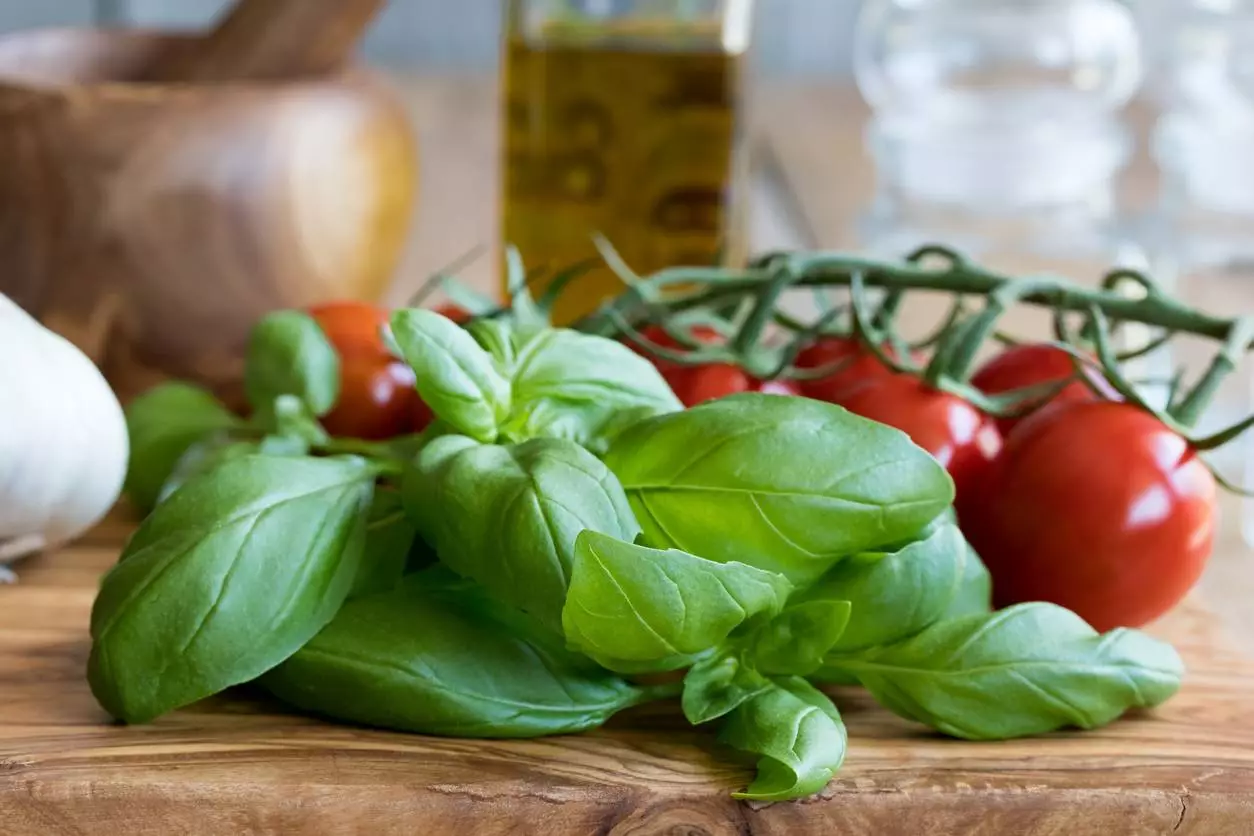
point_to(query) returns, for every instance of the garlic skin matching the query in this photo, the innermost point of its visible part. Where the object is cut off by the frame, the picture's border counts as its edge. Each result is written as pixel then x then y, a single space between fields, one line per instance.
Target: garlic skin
pixel 63 440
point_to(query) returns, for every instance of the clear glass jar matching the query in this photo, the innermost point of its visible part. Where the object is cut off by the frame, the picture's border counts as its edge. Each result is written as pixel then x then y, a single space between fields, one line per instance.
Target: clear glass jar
pixel 624 118
pixel 1203 229
pixel 997 130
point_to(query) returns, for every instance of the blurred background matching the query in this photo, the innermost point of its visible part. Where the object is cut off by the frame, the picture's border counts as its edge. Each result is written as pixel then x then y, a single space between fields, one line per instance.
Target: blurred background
pixel 795 37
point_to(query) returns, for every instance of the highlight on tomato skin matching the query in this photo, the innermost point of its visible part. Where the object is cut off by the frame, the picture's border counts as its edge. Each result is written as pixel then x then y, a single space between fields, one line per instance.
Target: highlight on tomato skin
pixel 961 437
pixel 1097 507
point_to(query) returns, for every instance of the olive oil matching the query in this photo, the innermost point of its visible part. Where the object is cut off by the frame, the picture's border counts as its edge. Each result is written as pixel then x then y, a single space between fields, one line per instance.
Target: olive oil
pixel 629 137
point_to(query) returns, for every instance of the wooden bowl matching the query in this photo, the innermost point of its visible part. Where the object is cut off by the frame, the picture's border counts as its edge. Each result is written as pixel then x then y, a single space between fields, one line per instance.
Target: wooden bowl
pixel 154 224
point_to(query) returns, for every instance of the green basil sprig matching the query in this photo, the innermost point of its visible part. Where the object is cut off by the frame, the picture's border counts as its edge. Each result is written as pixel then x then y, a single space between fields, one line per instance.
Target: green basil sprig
pixel 635 609
pixel 457 379
pixel 788 485
pixel 507 516
pixel 437 656
pixel 163 424
pixel 1023 671
pixel 389 546
pixel 584 389
pixel 227 578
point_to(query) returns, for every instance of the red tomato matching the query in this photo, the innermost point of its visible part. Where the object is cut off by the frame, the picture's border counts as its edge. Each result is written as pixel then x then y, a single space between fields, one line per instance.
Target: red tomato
pixel 657 335
pixel 962 438
pixel 450 311
pixel 859 366
pixel 1022 366
pixel 377 397
pixel 707 383
pixel 1095 506
pixel 351 325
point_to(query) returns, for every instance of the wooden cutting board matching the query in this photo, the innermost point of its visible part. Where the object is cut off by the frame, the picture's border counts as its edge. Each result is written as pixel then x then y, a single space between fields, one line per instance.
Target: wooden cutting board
pixel 241 765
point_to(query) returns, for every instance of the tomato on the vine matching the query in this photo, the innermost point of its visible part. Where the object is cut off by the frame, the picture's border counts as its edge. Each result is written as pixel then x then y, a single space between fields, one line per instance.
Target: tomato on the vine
pixel 956 433
pixel 1022 366
pixel 656 335
pixel 377 401
pixel 699 384
pixel 857 366
pixel 377 395
pixel 1095 506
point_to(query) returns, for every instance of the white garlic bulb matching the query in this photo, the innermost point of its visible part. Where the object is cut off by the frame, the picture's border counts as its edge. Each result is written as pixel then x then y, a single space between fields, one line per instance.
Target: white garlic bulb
pixel 63 440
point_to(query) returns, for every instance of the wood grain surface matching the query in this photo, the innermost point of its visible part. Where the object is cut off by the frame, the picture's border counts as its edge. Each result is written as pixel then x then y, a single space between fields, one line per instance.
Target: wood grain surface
pixel 240 764
pixel 153 225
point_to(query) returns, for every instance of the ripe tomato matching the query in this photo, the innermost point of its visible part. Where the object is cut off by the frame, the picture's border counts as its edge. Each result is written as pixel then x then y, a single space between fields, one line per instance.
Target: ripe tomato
pixel 351 325
pixel 1021 366
pixel 699 384
pixel 1095 506
pixel 377 397
pixel 859 366
pixel 657 335
pixel 958 435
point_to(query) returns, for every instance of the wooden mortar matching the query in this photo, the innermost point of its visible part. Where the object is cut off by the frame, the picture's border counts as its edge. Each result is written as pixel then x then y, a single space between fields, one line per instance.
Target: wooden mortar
pixel 153 224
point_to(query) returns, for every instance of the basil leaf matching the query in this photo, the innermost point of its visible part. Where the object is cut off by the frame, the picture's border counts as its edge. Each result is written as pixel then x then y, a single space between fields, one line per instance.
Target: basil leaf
pixel 896 596
pixel 390 538
pixel 162 425
pixel 288 354
pixel 797 732
pixel 1023 671
pixel 501 339
pixel 291 418
pixel 584 389
pixel 635 609
pixel 507 517
pixel 435 657
pixel 795 642
pixel 203 457
pixel 225 580
pixel 789 485
pixel 975 589
pixel 717 685
pixel 456 378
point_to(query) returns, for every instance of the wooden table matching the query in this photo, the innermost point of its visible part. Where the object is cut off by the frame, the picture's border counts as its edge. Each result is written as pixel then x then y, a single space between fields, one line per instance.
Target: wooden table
pixel 238 764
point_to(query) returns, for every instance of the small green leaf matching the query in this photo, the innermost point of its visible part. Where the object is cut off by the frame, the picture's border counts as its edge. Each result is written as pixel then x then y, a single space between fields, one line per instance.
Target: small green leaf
pixel 975 591
pixel 717 685
pixel 634 609
pixel 163 425
pixel 1023 671
pixel 288 354
pixel 798 734
pixel 390 540
pixel 226 579
pixel 438 656
pixel 795 642
pixel 789 485
pixel 507 517
pixel 457 379
pixel 584 389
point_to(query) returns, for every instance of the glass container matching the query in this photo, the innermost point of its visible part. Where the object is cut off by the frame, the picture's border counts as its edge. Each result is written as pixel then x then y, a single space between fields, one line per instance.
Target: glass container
pixel 623 118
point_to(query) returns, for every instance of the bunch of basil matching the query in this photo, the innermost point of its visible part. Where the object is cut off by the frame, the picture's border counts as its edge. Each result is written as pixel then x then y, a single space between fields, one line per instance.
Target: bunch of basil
pixel 562 529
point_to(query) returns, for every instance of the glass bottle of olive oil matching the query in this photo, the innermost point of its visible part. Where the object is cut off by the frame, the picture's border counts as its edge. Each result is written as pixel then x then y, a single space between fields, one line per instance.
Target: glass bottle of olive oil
pixel 624 118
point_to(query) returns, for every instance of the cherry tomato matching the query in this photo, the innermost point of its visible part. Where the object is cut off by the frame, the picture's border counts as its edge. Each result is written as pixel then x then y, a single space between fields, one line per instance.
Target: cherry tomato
pixel 1095 506
pixel 450 311
pixel 377 397
pixel 958 435
pixel 351 325
pixel 1022 366
pixel 859 366
pixel 707 383
pixel 657 335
